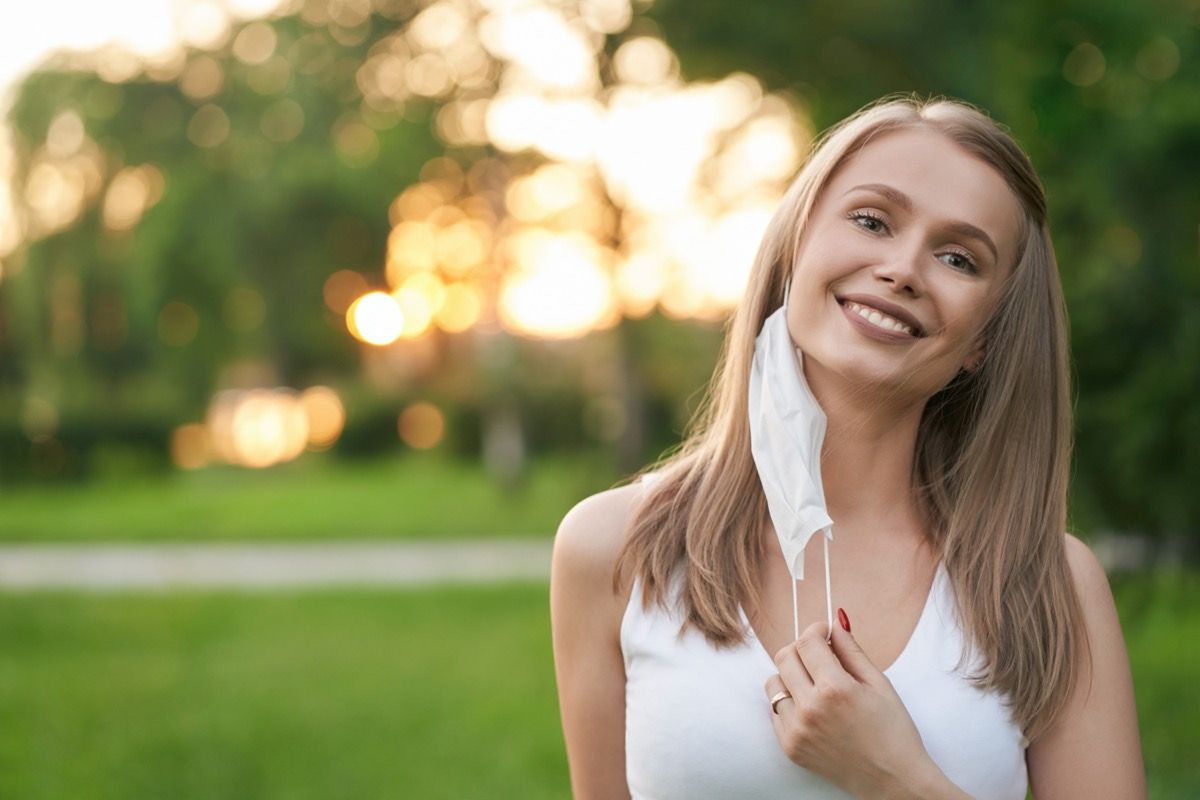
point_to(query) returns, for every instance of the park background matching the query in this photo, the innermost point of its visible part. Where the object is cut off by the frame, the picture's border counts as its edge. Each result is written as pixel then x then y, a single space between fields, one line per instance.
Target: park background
pixel 388 270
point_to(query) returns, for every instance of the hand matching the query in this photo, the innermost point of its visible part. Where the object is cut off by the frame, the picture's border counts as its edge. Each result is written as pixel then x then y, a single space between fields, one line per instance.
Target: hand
pixel 844 720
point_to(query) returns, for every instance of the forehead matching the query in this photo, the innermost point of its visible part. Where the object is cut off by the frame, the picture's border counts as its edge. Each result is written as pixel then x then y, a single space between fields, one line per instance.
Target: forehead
pixel 945 182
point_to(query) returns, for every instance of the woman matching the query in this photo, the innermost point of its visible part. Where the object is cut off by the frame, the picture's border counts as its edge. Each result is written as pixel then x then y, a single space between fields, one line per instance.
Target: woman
pixel 922 432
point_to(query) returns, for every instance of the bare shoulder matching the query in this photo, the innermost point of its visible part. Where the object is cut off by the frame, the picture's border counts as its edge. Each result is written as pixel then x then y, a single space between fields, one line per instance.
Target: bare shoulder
pixel 590 536
pixel 1091 582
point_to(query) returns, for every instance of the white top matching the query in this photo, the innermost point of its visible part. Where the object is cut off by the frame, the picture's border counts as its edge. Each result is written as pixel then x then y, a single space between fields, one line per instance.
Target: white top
pixel 698 724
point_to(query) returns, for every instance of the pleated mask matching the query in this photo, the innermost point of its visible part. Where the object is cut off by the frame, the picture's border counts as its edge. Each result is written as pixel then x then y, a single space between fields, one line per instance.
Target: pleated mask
pixel 787 427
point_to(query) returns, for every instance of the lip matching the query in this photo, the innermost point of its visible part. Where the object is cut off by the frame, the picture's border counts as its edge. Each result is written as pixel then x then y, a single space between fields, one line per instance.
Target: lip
pixel 883 306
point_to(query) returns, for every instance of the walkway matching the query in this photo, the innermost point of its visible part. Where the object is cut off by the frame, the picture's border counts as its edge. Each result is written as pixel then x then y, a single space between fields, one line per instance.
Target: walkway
pixel 166 567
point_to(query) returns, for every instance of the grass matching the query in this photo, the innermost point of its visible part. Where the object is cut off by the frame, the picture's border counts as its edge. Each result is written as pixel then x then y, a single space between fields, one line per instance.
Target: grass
pixel 417 496
pixel 445 693
pixel 431 693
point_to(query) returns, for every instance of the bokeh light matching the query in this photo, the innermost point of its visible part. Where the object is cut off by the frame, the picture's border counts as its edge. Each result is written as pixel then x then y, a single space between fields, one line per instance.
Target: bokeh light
pixel 421 425
pixel 375 318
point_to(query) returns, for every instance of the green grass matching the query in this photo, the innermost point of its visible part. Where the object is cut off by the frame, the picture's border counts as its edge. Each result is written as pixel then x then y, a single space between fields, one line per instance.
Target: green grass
pixel 444 693
pixel 417 496
pixel 431 693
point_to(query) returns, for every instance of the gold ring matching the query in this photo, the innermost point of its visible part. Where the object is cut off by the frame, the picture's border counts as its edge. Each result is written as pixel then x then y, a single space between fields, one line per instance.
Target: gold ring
pixel 775 701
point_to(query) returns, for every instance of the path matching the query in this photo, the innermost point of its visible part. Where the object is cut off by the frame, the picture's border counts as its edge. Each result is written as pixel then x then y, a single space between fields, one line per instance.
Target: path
pixel 165 567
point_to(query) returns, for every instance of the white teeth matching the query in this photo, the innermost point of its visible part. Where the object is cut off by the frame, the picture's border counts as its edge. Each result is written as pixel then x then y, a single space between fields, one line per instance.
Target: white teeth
pixel 879 320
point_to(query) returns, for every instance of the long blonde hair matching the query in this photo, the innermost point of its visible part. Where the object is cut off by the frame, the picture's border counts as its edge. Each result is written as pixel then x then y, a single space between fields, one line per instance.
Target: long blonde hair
pixel 992 452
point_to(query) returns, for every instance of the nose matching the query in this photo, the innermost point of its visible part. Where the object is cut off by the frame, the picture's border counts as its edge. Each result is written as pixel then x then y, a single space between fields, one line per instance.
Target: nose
pixel 901 271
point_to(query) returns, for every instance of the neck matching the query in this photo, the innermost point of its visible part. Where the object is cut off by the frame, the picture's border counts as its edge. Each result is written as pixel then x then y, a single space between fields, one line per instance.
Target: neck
pixel 867 455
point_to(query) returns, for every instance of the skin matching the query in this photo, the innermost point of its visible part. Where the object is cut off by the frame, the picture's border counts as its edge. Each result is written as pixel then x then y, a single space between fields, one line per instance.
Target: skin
pixel 844 720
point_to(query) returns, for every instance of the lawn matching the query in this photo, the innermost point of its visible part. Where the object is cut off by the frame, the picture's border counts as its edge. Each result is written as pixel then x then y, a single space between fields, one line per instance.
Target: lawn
pixel 415 496
pixel 431 693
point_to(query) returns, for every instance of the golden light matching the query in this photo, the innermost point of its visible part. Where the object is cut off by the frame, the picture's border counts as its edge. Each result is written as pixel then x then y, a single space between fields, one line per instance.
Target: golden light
pixel 421 425
pixel 606 16
pixel 461 307
pixel 261 427
pixel 204 25
pixel 547 191
pixel 549 51
pixel 765 150
pixel 428 75
pixel 355 142
pixel 640 280
pixel 566 129
pixel 255 44
pixel 414 203
pixel 411 247
pixel 418 303
pixel 65 135
pixel 178 324
pixel 208 127
pixel 55 193
pixel 558 287
pixel 202 78
pixel 268 426
pixel 326 416
pixel 130 193
pixel 439 26
pixel 375 318
pixel 645 59
pixel 462 246
pixel 342 288
pixel 190 448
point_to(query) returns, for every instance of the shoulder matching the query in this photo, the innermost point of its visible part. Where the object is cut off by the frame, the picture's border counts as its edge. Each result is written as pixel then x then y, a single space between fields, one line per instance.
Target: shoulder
pixel 1088 575
pixel 591 535
pixel 583 603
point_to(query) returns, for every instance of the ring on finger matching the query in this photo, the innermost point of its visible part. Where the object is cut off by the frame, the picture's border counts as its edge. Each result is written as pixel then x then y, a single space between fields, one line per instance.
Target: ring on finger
pixel 784 695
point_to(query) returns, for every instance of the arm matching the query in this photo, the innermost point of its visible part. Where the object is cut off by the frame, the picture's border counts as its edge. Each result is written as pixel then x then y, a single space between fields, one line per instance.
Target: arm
pixel 1093 751
pixel 585 618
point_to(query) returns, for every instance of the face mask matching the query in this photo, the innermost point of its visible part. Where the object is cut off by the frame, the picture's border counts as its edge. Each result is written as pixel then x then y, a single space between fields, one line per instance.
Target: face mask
pixel 787 427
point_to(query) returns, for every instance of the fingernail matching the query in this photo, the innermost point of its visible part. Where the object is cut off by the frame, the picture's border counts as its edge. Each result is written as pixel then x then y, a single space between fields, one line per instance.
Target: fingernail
pixel 845 620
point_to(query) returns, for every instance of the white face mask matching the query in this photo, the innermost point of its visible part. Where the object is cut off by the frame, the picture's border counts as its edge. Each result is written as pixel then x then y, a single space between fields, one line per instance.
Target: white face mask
pixel 787 427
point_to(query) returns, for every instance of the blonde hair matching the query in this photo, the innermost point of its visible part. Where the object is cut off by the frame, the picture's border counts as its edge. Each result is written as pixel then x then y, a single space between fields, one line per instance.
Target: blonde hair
pixel 992 452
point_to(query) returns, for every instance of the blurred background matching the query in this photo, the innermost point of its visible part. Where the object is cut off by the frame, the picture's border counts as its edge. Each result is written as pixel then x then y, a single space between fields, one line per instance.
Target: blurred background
pixel 397 271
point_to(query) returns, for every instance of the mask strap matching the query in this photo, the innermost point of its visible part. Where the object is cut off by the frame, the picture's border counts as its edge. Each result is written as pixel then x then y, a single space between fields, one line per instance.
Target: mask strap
pixel 828 595
pixel 787 290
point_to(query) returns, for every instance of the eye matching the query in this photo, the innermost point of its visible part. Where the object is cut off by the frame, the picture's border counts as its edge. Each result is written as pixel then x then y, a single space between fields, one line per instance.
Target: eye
pixel 868 220
pixel 960 260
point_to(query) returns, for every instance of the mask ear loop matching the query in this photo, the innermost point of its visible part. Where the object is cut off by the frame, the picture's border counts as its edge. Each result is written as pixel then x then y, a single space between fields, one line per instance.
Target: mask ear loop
pixel 825 535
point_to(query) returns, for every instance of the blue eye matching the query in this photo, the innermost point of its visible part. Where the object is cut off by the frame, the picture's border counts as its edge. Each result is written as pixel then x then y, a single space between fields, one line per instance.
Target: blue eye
pixel 868 221
pixel 962 261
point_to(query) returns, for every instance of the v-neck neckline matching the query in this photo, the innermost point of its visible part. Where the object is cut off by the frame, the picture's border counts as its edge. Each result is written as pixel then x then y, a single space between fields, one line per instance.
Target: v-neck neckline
pixel 753 641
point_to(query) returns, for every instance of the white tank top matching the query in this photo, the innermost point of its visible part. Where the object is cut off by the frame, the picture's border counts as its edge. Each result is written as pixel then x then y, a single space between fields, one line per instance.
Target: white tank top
pixel 698 724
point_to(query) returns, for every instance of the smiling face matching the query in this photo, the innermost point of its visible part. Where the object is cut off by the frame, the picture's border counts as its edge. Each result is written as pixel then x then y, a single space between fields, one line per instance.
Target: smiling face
pixel 901 262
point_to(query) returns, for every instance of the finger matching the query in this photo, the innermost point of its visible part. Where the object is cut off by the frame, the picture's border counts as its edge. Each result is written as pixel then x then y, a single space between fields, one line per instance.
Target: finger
pixel 819 659
pixel 773 687
pixel 791 669
pixel 852 657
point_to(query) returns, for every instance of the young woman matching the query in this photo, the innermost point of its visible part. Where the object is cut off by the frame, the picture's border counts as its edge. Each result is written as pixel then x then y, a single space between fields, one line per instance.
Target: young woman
pixel 891 417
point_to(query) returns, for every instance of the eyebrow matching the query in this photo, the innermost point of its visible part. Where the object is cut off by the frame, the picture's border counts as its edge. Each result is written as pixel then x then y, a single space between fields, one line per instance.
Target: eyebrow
pixel 905 202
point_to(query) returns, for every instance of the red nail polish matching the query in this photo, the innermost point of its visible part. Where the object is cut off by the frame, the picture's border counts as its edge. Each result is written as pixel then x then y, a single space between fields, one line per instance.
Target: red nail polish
pixel 845 620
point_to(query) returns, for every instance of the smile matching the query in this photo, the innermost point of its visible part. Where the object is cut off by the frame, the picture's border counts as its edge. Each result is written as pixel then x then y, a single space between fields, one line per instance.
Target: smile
pixel 878 325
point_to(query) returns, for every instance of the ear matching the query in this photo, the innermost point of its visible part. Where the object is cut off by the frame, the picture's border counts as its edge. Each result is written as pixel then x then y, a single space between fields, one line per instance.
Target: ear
pixel 972 362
